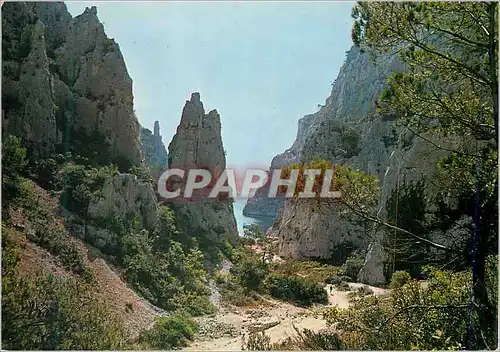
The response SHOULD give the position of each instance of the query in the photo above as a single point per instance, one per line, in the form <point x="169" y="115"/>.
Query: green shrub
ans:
<point x="399" y="278"/>
<point x="412" y="316"/>
<point x="253" y="231"/>
<point x="296" y="289"/>
<point x="317" y="341"/>
<point x="45" y="171"/>
<point x="194" y="303"/>
<point x="244" y="241"/>
<point x="175" y="330"/>
<point x="343" y="286"/>
<point x="13" y="164"/>
<point x="258" y="341"/>
<point x="170" y="280"/>
<point x="57" y="243"/>
<point x="232" y="292"/>
<point x="250" y="270"/>
<point x="352" y="266"/>
<point x="49" y="312"/>
<point x="365" y="290"/>
<point x="333" y="280"/>
<point x="346" y="278"/>
<point x="80" y="183"/>
<point x="13" y="156"/>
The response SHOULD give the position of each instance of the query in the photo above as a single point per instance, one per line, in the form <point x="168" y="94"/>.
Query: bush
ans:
<point x="296" y="289"/>
<point x="316" y="341"/>
<point x="399" y="278"/>
<point x="13" y="156"/>
<point x="232" y="292"/>
<point x="13" y="164"/>
<point x="352" y="266"/>
<point x="365" y="290"/>
<point x="194" y="304"/>
<point x="169" y="332"/>
<point x="80" y="183"/>
<point x="253" y="231"/>
<point x="345" y="278"/>
<point x="49" y="312"/>
<point x="244" y="241"/>
<point x="412" y="316"/>
<point x="258" y="341"/>
<point x="170" y="280"/>
<point x="343" y="286"/>
<point x="333" y="280"/>
<point x="46" y="173"/>
<point x="249" y="270"/>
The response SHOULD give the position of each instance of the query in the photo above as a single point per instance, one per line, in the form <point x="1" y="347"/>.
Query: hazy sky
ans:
<point x="262" y="65"/>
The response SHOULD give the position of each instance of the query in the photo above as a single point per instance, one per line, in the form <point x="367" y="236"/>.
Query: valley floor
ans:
<point x="230" y="327"/>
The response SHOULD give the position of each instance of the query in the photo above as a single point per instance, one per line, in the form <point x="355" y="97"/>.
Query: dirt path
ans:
<point x="228" y="329"/>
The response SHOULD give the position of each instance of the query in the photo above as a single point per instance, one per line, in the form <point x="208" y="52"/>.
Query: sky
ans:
<point x="262" y="65"/>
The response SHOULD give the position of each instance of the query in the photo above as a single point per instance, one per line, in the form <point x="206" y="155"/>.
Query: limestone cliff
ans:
<point x="345" y="130"/>
<point x="65" y="86"/>
<point x="198" y="144"/>
<point x="260" y="205"/>
<point x="154" y="150"/>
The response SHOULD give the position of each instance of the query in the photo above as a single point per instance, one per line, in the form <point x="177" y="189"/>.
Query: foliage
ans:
<point x="333" y="280"/>
<point x="169" y="332"/>
<point x="365" y="290"/>
<point x="311" y="270"/>
<point x="194" y="303"/>
<point x="449" y="89"/>
<point x="169" y="280"/>
<point x="314" y="341"/>
<point x="353" y="265"/>
<point x="249" y="270"/>
<point x="80" y="183"/>
<point x="413" y="316"/>
<point x="258" y="341"/>
<point x="142" y="173"/>
<point x="407" y="208"/>
<point x="50" y="312"/>
<point x="343" y="286"/>
<point x="232" y="292"/>
<point x="166" y="229"/>
<point x="13" y="156"/>
<point x="295" y="289"/>
<point x="253" y="231"/>
<point x="46" y="172"/>
<point x="13" y="164"/>
<point x="398" y="279"/>
<point x="45" y="231"/>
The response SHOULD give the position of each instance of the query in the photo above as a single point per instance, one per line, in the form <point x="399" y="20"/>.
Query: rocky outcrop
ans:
<point x="35" y="118"/>
<point x="198" y="141"/>
<point x="126" y="197"/>
<point x="344" y="130"/>
<point x="154" y="150"/>
<point x="124" y="201"/>
<point x="65" y="84"/>
<point x="198" y="144"/>
<point x="260" y="205"/>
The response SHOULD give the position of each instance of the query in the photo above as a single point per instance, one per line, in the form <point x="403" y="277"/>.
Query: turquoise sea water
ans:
<point x="242" y="220"/>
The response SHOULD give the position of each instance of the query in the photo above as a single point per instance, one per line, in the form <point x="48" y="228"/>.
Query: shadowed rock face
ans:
<point x="66" y="85"/>
<point x="198" y="144"/>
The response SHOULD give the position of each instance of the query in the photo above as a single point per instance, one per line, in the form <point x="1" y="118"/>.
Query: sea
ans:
<point x="242" y="220"/>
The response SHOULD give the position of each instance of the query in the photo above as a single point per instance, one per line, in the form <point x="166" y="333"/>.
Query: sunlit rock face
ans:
<point x="345" y="130"/>
<point x="66" y="85"/>
<point x="198" y="143"/>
